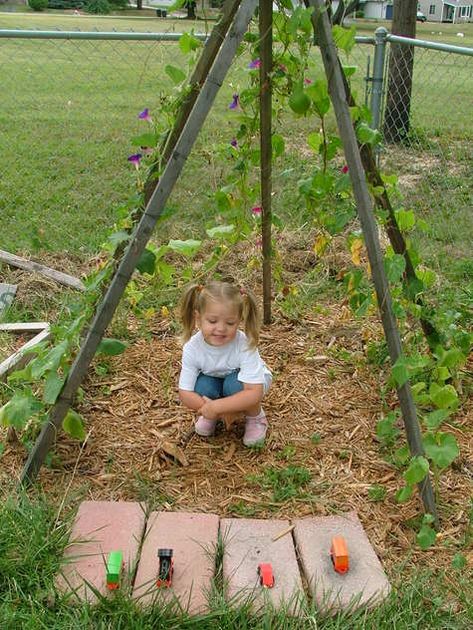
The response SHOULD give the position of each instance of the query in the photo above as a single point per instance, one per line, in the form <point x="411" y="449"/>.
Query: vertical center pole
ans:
<point x="378" y="76"/>
<point x="266" y="66"/>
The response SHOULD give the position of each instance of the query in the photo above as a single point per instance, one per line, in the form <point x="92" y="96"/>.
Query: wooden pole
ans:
<point x="397" y="111"/>
<point x="396" y="238"/>
<point x="364" y="206"/>
<point x="196" y="81"/>
<point x="30" y="265"/>
<point x="266" y="66"/>
<point x="138" y="242"/>
<point x="201" y="70"/>
<point x="395" y="235"/>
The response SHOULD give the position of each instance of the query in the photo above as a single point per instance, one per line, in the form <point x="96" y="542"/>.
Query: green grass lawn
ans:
<point x="71" y="109"/>
<point x="445" y="33"/>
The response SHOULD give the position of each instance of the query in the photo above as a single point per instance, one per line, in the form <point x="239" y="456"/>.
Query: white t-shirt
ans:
<point x="200" y="357"/>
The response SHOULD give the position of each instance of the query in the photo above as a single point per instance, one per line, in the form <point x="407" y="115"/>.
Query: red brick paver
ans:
<point x="365" y="582"/>
<point x="100" y="527"/>
<point x="249" y="542"/>
<point x="193" y="539"/>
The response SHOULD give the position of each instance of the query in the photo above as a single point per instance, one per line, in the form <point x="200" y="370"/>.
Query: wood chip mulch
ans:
<point x="140" y="444"/>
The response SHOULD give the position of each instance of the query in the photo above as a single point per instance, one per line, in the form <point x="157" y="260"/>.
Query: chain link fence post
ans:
<point x="378" y="76"/>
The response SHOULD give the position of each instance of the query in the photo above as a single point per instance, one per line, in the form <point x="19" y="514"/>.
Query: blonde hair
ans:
<point x="196" y="298"/>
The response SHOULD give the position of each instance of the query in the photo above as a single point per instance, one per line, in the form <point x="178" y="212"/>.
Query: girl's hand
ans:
<point x="208" y="409"/>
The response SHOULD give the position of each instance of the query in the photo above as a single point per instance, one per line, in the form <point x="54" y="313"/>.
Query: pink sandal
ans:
<point x="255" y="430"/>
<point x="205" y="427"/>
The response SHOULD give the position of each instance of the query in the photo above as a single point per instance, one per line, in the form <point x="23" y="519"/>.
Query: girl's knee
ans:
<point x="231" y="384"/>
<point x="208" y="386"/>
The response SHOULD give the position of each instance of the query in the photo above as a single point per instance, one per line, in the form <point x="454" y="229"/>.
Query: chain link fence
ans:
<point x="70" y="109"/>
<point x="71" y="100"/>
<point x="427" y="127"/>
<point x="420" y="100"/>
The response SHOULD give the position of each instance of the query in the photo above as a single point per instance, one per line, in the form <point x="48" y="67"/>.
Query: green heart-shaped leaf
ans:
<point x="111" y="347"/>
<point x="441" y="448"/>
<point x="418" y="469"/>
<point x="443" y="397"/>
<point x="73" y="425"/>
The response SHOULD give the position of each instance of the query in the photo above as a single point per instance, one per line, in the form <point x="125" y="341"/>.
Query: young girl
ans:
<point x="222" y="371"/>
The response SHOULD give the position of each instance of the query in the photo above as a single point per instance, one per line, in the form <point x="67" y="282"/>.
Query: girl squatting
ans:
<point x="222" y="371"/>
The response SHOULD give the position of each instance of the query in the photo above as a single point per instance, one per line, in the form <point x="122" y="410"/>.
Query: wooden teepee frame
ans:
<point x="208" y="76"/>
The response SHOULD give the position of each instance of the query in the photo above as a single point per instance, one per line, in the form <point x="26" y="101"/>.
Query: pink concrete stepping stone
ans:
<point x="99" y="528"/>
<point x="250" y="542"/>
<point x="365" y="583"/>
<point x="193" y="539"/>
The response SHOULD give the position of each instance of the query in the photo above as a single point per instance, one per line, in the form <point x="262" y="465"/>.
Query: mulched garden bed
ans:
<point x="321" y="455"/>
<point x="322" y="410"/>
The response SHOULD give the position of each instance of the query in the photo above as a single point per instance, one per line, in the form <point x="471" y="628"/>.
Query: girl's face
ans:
<point x="218" y="323"/>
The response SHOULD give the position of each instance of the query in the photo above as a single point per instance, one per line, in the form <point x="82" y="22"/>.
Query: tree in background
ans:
<point x="190" y="6"/>
<point x="401" y="66"/>
<point x="344" y="9"/>
<point x="38" y="5"/>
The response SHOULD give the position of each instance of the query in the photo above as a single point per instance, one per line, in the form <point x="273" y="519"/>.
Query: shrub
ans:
<point x="66" y="4"/>
<point x="38" y="5"/>
<point x="99" y="7"/>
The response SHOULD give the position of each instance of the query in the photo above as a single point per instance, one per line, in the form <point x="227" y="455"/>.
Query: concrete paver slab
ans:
<point x="249" y="542"/>
<point x="100" y="527"/>
<point x="193" y="539"/>
<point x="364" y="583"/>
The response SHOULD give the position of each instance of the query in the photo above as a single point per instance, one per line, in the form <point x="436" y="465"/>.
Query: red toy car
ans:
<point x="266" y="577"/>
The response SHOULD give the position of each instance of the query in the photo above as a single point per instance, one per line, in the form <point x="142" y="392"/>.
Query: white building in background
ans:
<point x="373" y="9"/>
<point x="456" y="11"/>
<point x="377" y="9"/>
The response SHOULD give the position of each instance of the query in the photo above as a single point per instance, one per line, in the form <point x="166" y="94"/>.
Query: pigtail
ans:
<point x="251" y="317"/>
<point x="187" y="310"/>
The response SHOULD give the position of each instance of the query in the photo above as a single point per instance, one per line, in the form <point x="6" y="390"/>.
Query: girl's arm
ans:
<point x="191" y="400"/>
<point x="246" y="401"/>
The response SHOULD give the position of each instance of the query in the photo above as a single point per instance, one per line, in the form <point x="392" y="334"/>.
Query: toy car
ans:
<point x="266" y="577"/>
<point x="166" y="568"/>
<point x="114" y="569"/>
<point x="339" y="554"/>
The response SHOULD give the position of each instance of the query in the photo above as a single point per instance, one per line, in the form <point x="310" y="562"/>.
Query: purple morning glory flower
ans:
<point x="256" y="63"/>
<point x="144" y="115"/>
<point x="235" y="102"/>
<point x="234" y="142"/>
<point x="135" y="159"/>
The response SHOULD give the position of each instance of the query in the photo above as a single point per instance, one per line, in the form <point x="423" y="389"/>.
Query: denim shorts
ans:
<point x="214" y="387"/>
